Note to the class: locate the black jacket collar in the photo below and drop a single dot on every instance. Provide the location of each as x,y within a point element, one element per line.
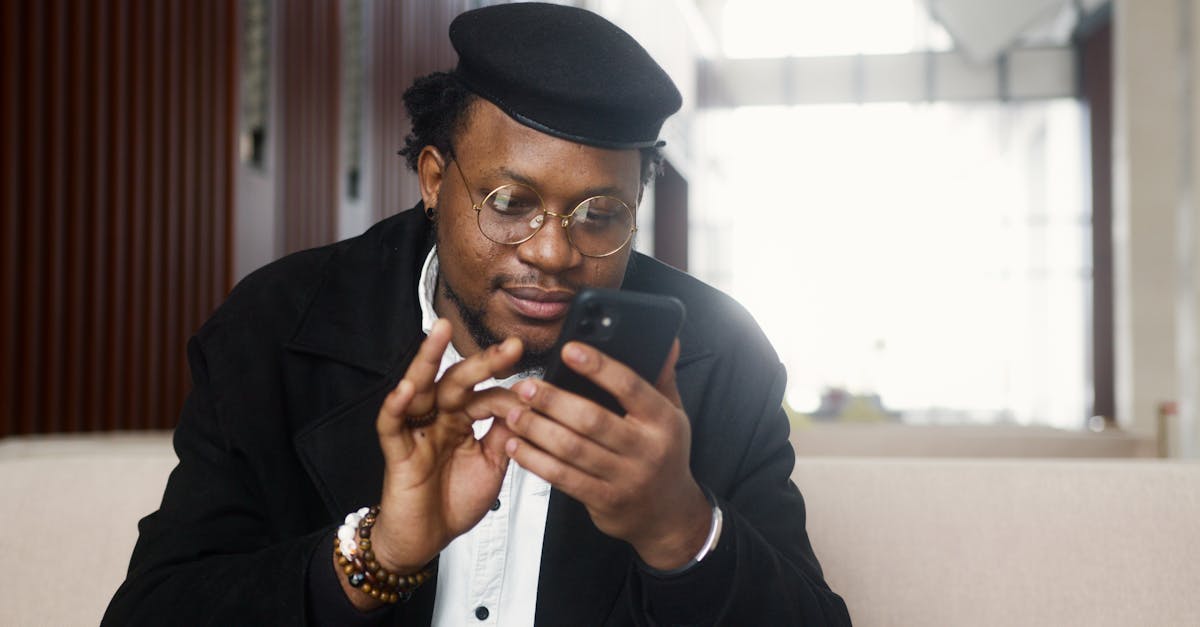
<point>366,314</point>
<point>365,310</point>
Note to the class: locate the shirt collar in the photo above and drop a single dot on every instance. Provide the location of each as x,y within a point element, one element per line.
<point>426,290</point>
<point>426,285</point>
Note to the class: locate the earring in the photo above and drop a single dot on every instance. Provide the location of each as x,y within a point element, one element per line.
<point>429,212</point>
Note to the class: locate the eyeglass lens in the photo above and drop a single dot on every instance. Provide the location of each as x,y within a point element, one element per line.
<point>599,225</point>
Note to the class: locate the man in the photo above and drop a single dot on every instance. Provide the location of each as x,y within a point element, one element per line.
<point>380,371</point>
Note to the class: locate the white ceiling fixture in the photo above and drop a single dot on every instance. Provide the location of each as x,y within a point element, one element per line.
<point>985,29</point>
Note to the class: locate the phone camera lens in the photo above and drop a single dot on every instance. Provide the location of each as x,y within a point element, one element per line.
<point>586,325</point>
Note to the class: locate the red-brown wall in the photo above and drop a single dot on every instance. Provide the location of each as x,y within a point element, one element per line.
<point>408,40</point>
<point>116,189</point>
<point>310,72</point>
<point>117,175</point>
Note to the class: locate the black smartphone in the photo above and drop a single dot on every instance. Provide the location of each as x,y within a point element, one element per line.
<point>634,328</point>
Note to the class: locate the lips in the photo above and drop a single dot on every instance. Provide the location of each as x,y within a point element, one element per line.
<point>538,303</point>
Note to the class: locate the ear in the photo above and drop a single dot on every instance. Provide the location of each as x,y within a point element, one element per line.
<point>431,170</point>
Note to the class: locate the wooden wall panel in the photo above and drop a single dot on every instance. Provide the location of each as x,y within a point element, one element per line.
<point>1096,89</point>
<point>10,234</point>
<point>310,141</point>
<point>671,218</point>
<point>408,39</point>
<point>117,191</point>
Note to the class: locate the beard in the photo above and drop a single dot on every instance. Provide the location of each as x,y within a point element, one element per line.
<point>533,358</point>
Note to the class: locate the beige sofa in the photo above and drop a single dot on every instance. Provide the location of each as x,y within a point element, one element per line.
<point>906,541</point>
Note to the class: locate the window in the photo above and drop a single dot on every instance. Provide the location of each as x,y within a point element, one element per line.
<point>935,255</point>
<point>807,28</point>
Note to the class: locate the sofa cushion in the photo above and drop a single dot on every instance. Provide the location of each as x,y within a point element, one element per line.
<point>1007,542</point>
<point>905,541</point>
<point>69,521</point>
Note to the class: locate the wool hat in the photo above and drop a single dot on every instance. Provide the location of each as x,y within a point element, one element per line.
<point>564,71</point>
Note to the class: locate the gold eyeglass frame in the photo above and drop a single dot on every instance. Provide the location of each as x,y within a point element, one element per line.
<point>565,218</point>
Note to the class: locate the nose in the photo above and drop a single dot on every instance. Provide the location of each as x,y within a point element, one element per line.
<point>550,250</point>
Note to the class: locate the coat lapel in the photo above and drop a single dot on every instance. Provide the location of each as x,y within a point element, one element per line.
<point>366,315</point>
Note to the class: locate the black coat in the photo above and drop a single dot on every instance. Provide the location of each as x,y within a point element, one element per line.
<point>277,443</point>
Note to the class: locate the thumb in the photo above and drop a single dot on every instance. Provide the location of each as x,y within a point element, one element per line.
<point>494,440</point>
<point>666,378</point>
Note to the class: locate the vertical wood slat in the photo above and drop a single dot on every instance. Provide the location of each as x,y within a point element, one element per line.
<point>185,230</point>
<point>10,227</point>
<point>151,218</point>
<point>671,218</point>
<point>311,76</point>
<point>143,57</point>
<point>116,175</point>
<point>408,40</point>
<point>52,191</point>
<point>170,207</point>
<point>1096,87</point>
<point>30,296</point>
<point>78,39</point>
<point>117,170</point>
<point>99,204</point>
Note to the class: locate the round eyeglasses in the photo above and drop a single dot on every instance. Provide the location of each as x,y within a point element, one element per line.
<point>513,213</point>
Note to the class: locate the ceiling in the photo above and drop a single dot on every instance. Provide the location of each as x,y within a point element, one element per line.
<point>981,30</point>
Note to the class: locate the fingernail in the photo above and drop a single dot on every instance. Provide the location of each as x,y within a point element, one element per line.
<point>576,354</point>
<point>526,390</point>
<point>511,446</point>
<point>513,416</point>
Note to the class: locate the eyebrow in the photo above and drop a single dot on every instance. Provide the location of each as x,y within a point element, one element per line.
<point>607,190</point>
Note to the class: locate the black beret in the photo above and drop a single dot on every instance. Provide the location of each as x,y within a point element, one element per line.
<point>564,71</point>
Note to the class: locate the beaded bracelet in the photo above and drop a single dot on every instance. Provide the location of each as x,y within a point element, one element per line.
<point>352,550</point>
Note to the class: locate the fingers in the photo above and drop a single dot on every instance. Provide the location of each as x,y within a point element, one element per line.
<point>552,436</point>
<point>578,414</point>
<point>457,428</point>
<point>635,394</point>
<point>422,372</point>
<point>574,482</point>
<point>492,402</point>
<point>458,384</point>
<point>395,438</point>
<point>420,392</point>
<point>456,390</point>
<point>494,442</point>
<point>666,378</point>
<point>641,401</point>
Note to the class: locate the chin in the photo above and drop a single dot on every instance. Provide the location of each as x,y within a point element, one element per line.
<point>537,337</point>
<point>537,341</point>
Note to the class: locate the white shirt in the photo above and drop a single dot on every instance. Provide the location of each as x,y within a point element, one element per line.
<point>496,564</point>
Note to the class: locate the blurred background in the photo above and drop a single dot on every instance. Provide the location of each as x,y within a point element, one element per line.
<point>969,227</point>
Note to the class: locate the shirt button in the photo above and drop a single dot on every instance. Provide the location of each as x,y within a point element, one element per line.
<point>481,613</point>
<point>495,507</point>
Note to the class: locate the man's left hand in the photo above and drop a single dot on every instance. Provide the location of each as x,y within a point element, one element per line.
<point>632,472</point>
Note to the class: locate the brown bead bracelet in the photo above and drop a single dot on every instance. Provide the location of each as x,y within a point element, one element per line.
<point>357,560</point>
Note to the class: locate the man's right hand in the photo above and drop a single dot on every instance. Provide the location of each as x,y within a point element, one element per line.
<point>439,481</point>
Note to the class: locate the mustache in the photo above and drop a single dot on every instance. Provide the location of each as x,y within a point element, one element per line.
<point>534,279</point>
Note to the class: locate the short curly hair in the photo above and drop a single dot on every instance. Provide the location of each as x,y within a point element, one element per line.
<point>437,104</point>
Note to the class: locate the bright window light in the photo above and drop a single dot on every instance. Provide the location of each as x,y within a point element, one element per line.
<point>934,254</point>
<point>780,28</point>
